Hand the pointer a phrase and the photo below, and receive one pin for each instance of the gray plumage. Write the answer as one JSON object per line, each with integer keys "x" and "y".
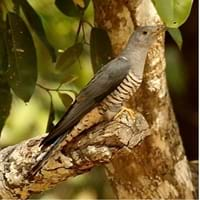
{"x": 105, "y": 81}
{"x": 114, "y": 83}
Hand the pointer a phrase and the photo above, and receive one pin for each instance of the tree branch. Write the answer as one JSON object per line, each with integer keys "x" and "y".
{"x": 96, "y": 147}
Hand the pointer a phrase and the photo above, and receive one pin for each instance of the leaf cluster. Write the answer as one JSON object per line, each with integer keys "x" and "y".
{"x": 18, "y": 53}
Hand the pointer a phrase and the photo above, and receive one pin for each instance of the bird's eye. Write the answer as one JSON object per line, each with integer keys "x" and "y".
{"x": 144, "y": 32}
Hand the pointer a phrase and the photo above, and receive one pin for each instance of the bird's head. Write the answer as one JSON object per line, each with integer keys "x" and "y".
{"x": 146, "y": 35}
{"x": 139, "y": 44}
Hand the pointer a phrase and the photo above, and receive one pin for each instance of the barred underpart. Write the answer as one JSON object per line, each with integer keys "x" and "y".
{"x": 123, "y": 92}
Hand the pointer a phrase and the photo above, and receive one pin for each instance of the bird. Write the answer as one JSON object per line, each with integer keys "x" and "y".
{"x": 104, "y": 97}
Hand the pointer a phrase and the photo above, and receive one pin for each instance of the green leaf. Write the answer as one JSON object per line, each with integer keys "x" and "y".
{"x": 100, "y": 48}
{"x": 3, "y": 54}
{"x": 51, "y": 117}
{"x": 69, "y": 56}
{"x": 68, "y": 79}
{"x": 66, "y": 99}
{"x": 5, "y": 94}
{"x": 22, "y": 64}
{"x": 5, "y": 102}
{"x": 16, "y": 7}
{"x": 176, "y": 36}
{"x": 176, "y": 74}
{"x": 36, "y": 24}
{"x": 173, "y": 12}
{"x": 72, "y": 8}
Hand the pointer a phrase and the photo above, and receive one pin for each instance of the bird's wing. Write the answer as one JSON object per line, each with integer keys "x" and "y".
{"x": 103, "y": 83}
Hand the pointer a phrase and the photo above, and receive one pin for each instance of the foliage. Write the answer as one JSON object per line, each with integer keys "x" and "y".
{"x": 100, "y": 48}
{"x": 36, "y": 25}
{"x": 20, "y": 23}
{"x": 21, "y": 70}
{"x": 176, "y": 35}
{"x": 174, "y": 13}
{"x": 18, "y": 63}
{"x": 72, "y": 54}
{"x": 72, "y": 8}
{"x": 5, "y": 102}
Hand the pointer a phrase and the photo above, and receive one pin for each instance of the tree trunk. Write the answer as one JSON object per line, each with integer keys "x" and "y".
{"x": 158, "y": 167}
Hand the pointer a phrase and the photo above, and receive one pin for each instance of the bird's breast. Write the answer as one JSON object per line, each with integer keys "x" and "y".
{"x": 109, "y": 107}
{"x": 124, "y": 91}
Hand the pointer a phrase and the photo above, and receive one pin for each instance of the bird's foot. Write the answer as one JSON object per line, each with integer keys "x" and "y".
{"x": 125, "y": 109}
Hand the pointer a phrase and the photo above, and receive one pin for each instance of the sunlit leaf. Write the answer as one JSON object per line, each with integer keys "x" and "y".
{"x": 173, "y": 12}
{"x": 36, "y": 24}
{"x": 22, "y": 63}
{"x": 72, "y": 8}
{"x": 51, "y": 117}
{"x": 5, "y": 102}
{"x": 176, "y": 35}
{"x": 66, "y": 99}
{"x": 69, "y": 57}
{"x": 100, "y": 48}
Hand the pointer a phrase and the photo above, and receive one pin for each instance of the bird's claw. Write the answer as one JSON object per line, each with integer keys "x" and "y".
{"x": 125, "y": 109}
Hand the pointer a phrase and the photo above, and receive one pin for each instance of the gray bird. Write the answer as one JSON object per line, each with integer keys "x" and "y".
{"x": 105, "y": 95}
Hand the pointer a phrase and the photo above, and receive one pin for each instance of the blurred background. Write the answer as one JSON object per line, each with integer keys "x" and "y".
{"x": 182, "y": 75}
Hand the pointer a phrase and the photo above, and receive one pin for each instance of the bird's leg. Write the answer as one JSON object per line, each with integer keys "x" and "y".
{"x": 125, "y": 109}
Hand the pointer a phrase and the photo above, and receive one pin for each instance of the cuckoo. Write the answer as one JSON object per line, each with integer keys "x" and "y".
{"x": 105, "y": 95}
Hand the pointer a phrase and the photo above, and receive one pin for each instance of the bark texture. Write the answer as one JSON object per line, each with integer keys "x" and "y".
{"x": 89, "y": 150}
{"x": 158, "y": 167}
{"x": 144, "y": 153}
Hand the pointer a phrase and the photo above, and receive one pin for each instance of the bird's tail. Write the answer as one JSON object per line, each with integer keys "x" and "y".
{"x": 43, "y": 158}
